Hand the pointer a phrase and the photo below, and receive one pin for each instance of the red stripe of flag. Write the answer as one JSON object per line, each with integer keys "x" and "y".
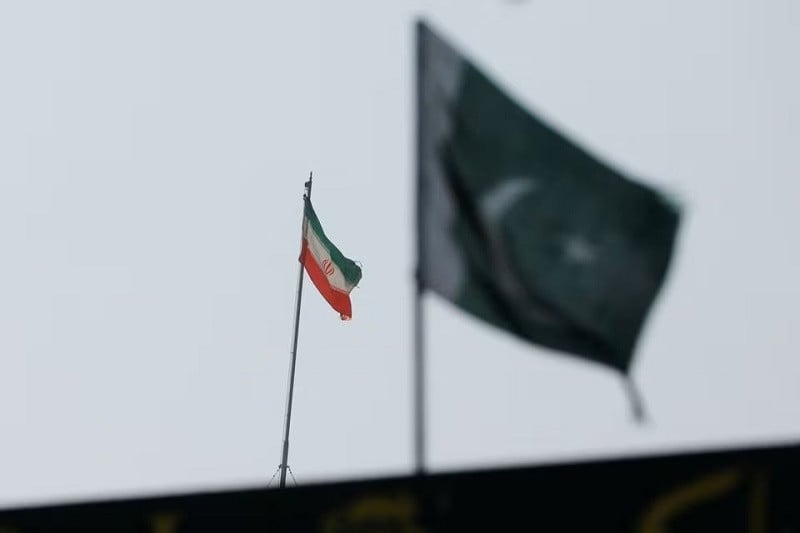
{"x": 339, "y": 300}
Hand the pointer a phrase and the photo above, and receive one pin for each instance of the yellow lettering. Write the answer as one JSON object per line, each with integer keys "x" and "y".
{"x": 757, "y": 515}
{"x": 165, "y": 523}
{"x": 682, "y": 499}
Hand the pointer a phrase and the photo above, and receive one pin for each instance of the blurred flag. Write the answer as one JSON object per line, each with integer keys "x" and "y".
{"x": 332, "y": 273}
{"x": 522, "y": 228}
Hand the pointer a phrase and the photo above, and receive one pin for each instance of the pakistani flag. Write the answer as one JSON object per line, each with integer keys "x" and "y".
{"x": 331, "y": 272}
{"x": 525, "y": 230}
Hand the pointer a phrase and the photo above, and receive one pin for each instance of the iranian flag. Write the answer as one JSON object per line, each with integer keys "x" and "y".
{"x": 332, "y": 273}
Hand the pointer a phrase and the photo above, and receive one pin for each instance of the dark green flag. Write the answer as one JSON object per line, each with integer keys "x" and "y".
{"x": 522, "y": 228}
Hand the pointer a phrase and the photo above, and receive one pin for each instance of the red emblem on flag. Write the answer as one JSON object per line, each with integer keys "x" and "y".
{"x": 327, "y": 267}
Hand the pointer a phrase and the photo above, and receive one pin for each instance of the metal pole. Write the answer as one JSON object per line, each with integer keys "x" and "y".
{"x": 285, "y": 456}
{"x": 419, "y": 341}
{"x": 419, "y": 383}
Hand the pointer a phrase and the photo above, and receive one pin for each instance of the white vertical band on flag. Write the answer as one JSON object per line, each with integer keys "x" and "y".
{"x": 322, "y": 257}
{"x": 441, "y": 265}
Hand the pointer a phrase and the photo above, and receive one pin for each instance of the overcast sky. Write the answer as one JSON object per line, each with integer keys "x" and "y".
{"x": 152, "y": 159}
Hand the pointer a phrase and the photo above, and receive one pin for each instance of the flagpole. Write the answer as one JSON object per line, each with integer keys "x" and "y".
{"x": 419, "y": 383}
{"x": 285, "y": 455}
{"x": 419, "y": 339}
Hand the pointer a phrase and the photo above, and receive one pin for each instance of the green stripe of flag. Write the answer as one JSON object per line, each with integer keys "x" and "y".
{"x": 350, "y": 270}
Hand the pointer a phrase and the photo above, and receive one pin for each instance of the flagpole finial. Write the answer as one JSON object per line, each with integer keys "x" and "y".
{"x": 307, "y": 186}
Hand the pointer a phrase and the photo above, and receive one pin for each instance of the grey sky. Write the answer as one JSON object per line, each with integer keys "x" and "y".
{"x": 152, "y": 157}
